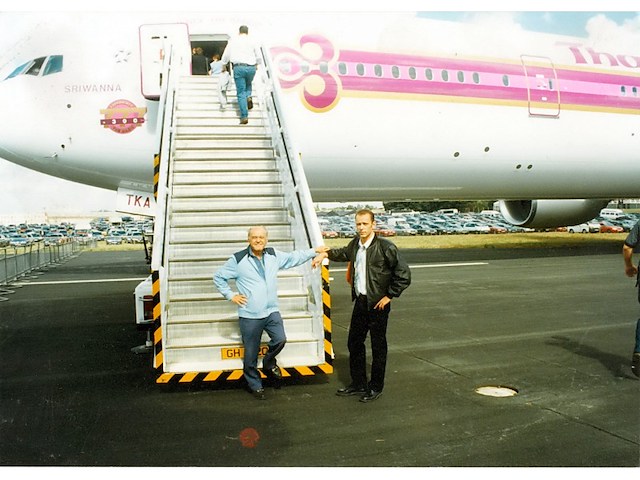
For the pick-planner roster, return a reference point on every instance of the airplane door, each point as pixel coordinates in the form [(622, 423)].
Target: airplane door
[(155, 43), (542, 86)]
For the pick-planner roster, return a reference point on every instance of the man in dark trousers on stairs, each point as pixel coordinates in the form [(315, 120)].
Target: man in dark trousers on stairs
[(255, 271)]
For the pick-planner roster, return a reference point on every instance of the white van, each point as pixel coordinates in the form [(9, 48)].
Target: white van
[(448, 211), (611, 213)]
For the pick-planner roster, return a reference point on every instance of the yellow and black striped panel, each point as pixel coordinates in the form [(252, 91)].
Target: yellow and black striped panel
[(157, 321), (156, 175), (233, 375)]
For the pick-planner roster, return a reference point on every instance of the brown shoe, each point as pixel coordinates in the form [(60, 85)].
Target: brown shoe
[(244, 121), (249, 103)]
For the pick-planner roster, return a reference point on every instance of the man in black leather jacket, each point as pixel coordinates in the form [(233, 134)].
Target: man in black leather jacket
[(379, 274)]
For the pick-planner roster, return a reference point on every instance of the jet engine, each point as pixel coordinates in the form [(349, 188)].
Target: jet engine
[(550, 213)]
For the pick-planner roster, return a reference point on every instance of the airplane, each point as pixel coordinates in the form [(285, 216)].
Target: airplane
[(386, 107)]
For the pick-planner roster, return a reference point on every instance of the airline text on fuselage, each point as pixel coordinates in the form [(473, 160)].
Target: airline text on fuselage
[(588, 56), (92, 88)]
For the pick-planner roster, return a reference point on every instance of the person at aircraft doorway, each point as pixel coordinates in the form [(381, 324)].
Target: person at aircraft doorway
[(379, 274), (631, 245), (244, 57), (255, 270)]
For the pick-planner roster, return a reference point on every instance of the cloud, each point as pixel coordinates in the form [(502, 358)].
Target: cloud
[(603, 32)]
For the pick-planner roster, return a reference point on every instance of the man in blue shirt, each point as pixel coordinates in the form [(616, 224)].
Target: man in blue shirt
[(631, 245), (255, 271)]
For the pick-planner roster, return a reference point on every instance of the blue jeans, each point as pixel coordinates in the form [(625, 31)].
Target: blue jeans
[(243, 76), (251, 330)]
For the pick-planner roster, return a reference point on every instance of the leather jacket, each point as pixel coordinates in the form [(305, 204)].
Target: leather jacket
[(387, 273)]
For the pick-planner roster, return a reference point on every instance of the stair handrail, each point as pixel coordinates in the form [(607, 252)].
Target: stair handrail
[(286, 149), (164, 134), (298, 198)]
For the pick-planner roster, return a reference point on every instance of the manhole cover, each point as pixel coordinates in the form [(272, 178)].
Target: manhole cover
[(496, 391)]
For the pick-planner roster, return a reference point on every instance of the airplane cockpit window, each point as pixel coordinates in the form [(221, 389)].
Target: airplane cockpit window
[(18, 70), (54, 65), (35, 67)]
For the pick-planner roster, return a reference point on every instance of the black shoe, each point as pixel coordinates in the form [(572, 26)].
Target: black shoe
[(273, 372), (351, 390), (635, 364), (370, 396), (259, 394), (249, 103)]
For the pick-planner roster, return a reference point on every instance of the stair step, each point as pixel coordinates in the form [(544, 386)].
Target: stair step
[(259, 141), (208, 165), (199, 281), (231, 192), (210, 359), (207, 251), (197, 200), (226, 178), (226, 233), (227, 334), (185, 309), (230, 154), (245, 217)]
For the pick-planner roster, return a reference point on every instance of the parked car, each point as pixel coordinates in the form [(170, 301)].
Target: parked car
[(582, 228), (113, 240), (607, 227), (17, 241), (54, 238), (384, 230), (328, 233)]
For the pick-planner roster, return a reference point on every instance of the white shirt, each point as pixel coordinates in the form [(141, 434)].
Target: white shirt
[(241, 50), (360, 281)]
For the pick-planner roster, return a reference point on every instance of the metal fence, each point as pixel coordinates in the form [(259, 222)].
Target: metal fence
[(19, 262)]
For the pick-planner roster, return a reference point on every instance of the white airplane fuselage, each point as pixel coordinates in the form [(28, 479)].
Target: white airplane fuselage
[(389, 107)]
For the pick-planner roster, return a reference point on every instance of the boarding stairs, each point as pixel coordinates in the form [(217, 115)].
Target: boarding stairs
[(222, 178)]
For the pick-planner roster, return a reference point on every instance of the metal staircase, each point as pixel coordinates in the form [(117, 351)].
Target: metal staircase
[(218, 179)]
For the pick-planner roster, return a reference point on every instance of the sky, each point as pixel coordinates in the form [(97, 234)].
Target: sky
[(23, 191)]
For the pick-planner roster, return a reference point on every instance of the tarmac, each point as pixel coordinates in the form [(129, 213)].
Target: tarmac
[(555, 326)]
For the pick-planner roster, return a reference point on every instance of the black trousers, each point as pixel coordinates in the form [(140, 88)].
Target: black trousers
[(364, 321)]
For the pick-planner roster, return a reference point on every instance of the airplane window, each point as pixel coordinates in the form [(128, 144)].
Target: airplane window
[(461, 77), (360, 69), (635, 91), (429, 74), (623, 90), (476, 77), (342, 68), (304, 67), (378, 70), (395, 71), (34, 68), (412, 73), (505, 80), (54, 65), (550, 84), (18, 70), (445, 75)]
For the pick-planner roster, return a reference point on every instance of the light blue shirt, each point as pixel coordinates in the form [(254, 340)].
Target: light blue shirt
[(257, 279)]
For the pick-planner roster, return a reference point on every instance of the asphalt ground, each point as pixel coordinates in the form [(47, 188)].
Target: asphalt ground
[(557, 326)]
